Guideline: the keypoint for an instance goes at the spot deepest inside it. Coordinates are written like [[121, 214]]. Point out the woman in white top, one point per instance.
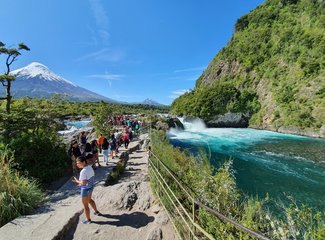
[[86, 183]]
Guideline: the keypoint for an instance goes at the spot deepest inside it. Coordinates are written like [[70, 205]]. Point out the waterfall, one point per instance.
[[193, 125]]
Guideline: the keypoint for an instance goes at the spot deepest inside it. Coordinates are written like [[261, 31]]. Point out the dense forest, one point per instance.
[[272, 69]]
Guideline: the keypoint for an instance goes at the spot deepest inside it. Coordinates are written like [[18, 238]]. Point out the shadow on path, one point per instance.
[[134, 220], [136, 164]]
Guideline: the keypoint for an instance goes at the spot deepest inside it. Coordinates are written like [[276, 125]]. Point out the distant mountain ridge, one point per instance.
[[37, 81], [149, 101]]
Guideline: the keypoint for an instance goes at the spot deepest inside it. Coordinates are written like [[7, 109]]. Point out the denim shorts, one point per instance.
[[86, 192]]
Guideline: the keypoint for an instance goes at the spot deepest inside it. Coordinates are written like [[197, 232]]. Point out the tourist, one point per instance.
[[86, 183], [112, 144], [126, 139], [89, 155], [105, 148], [100, 142], [83, 141], [137, 126], [74, 152], [87, 149], [94, 150], [119, 141], [130, 133]]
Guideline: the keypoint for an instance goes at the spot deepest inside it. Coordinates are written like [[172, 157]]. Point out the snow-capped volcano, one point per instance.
[[37, 80], [36, 69]]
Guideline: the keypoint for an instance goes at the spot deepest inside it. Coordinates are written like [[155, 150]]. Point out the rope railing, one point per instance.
[[156, 169]]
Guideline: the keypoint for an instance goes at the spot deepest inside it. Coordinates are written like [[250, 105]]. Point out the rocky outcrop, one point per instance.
[[168, 123], [294, 130], [302, 132], [322, 132], [218, 70], [131, 195], [235, 120], [160, 125], [155, 234], [175, 123]]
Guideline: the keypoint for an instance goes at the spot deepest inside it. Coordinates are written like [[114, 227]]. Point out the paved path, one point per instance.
[[117, 222], [128, 210]]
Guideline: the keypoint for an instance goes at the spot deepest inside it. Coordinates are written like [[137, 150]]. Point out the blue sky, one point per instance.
[[127, 50]]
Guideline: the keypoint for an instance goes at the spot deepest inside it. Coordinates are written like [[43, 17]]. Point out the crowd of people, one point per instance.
[[107, 145], [85, 156]]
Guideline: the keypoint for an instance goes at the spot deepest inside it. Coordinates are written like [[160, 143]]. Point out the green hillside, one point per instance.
[[272, 69]]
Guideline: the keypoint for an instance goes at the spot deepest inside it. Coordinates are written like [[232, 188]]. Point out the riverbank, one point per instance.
[[295, 131]]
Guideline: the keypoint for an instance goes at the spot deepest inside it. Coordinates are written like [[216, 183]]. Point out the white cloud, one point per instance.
[[101, 20], [106, 55], [107, 76], [177, 93]]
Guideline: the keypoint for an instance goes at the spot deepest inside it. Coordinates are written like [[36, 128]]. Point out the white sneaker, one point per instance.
[[86, 221]]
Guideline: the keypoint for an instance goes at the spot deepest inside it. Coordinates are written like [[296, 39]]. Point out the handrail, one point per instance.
[[172, 175], [210, 210]]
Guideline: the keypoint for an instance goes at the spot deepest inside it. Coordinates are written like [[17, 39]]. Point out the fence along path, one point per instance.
[[184, 223]]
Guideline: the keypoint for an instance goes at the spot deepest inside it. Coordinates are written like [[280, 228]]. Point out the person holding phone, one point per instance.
[[86, 183]]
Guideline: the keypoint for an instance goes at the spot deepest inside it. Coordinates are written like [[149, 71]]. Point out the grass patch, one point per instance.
[[116, 173], [18, 194]]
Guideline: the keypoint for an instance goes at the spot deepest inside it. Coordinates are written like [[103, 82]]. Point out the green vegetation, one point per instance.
[[218, 190], [77, 109], [220, 98], [6, 79], [30, 131], [18, 194], [272, 67], [116, 173]]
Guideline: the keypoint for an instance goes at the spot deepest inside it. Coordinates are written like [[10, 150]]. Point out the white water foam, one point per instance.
[[70, 130]]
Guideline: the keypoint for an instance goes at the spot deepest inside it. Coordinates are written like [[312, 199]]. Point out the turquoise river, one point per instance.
[[264, 162]]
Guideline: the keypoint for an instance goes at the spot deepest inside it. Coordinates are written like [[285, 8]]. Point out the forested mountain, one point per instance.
[[271, 73]]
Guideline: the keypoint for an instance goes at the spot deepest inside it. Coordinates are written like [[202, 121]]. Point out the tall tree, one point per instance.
[[6, 78]]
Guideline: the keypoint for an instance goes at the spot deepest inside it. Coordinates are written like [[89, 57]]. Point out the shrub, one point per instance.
[[18, 194], [41, 155]]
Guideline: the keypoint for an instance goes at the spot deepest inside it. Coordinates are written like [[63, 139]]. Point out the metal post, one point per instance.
[[158, 182], [193, 212]]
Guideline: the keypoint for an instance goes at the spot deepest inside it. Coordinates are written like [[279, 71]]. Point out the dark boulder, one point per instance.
[[235, 120], [175, 123]]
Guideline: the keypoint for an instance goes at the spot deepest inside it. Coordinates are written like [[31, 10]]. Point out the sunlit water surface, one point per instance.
[[264, 161]]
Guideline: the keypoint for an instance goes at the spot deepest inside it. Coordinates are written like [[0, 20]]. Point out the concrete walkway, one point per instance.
[[129, 210]]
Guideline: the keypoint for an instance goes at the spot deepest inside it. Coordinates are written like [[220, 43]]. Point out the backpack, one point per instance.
[[112, 142]]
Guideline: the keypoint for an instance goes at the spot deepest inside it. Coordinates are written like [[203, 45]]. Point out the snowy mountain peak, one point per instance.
[[38, 70], [38, 81], [37, 65]]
